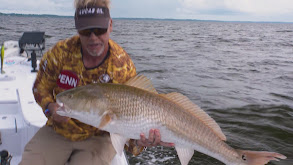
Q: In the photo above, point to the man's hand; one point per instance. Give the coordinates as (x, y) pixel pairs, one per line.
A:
(56, 118)
(153, 140)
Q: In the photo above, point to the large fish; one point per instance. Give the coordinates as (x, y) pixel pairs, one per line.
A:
(127, 110)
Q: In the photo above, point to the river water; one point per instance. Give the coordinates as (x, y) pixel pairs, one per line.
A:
(239, 73)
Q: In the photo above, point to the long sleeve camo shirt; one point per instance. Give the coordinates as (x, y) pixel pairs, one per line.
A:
(62, 68)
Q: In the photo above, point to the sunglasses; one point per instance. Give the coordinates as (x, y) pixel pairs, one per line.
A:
(96, 31)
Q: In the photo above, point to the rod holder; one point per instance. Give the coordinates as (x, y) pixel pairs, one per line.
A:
(34, 61)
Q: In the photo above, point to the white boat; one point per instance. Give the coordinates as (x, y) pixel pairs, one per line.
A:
(20, 115)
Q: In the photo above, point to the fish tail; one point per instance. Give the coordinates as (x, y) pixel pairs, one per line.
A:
(259, 157)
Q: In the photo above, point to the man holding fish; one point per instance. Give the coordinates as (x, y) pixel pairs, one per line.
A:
(103, 107)
(88, 58)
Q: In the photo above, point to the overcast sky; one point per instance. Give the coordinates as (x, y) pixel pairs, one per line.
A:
(226, 10)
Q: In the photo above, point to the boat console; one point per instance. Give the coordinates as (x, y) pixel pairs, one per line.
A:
(33, 42)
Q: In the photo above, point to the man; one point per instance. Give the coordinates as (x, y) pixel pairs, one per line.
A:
(90, 57)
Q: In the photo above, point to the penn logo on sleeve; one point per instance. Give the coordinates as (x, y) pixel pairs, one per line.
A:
(67, 79)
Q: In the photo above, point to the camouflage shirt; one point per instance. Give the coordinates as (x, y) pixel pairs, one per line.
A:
(62, 68)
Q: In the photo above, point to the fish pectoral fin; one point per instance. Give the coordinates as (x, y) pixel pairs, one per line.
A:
(106, 119)
(118, 142)
(141, 82)
(184, 154)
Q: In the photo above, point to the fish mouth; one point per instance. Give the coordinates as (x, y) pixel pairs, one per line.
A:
(59, 103)
(63, 110)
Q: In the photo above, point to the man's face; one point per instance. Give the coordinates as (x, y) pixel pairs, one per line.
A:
(96, 45)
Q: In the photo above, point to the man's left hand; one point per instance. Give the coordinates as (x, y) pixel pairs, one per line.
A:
(153, 140)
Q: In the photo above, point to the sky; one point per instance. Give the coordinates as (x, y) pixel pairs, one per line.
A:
(224, 10)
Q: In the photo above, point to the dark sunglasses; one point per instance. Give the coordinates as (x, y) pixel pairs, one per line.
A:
(96, 31)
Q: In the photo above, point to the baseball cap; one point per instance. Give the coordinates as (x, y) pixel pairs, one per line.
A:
(91, 17)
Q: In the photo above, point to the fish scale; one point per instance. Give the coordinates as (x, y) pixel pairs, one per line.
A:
(127, 110)
(153, 108)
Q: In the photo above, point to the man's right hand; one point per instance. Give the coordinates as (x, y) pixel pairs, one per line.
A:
(56, 118)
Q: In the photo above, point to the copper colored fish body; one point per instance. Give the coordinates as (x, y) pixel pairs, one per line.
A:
(127, 110)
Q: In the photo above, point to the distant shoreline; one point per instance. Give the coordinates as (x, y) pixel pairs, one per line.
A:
(123, 18)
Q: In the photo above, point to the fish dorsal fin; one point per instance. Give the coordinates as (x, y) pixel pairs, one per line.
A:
(141, 82)
(188, 105)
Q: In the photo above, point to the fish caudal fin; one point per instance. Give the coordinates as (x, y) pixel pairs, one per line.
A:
(259, 157)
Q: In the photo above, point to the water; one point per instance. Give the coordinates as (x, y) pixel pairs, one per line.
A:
(240, 73)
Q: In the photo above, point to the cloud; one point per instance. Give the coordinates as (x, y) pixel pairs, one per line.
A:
(62, 7)
(144, 8)
(228, 10)
(202, 4)
(237, 10)
(260, 7)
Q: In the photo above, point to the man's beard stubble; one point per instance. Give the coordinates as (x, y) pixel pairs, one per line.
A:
(97, 54)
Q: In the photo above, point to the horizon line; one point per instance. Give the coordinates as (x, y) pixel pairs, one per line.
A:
(146, 18)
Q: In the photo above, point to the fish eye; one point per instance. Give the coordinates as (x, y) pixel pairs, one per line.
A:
(243, 157)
